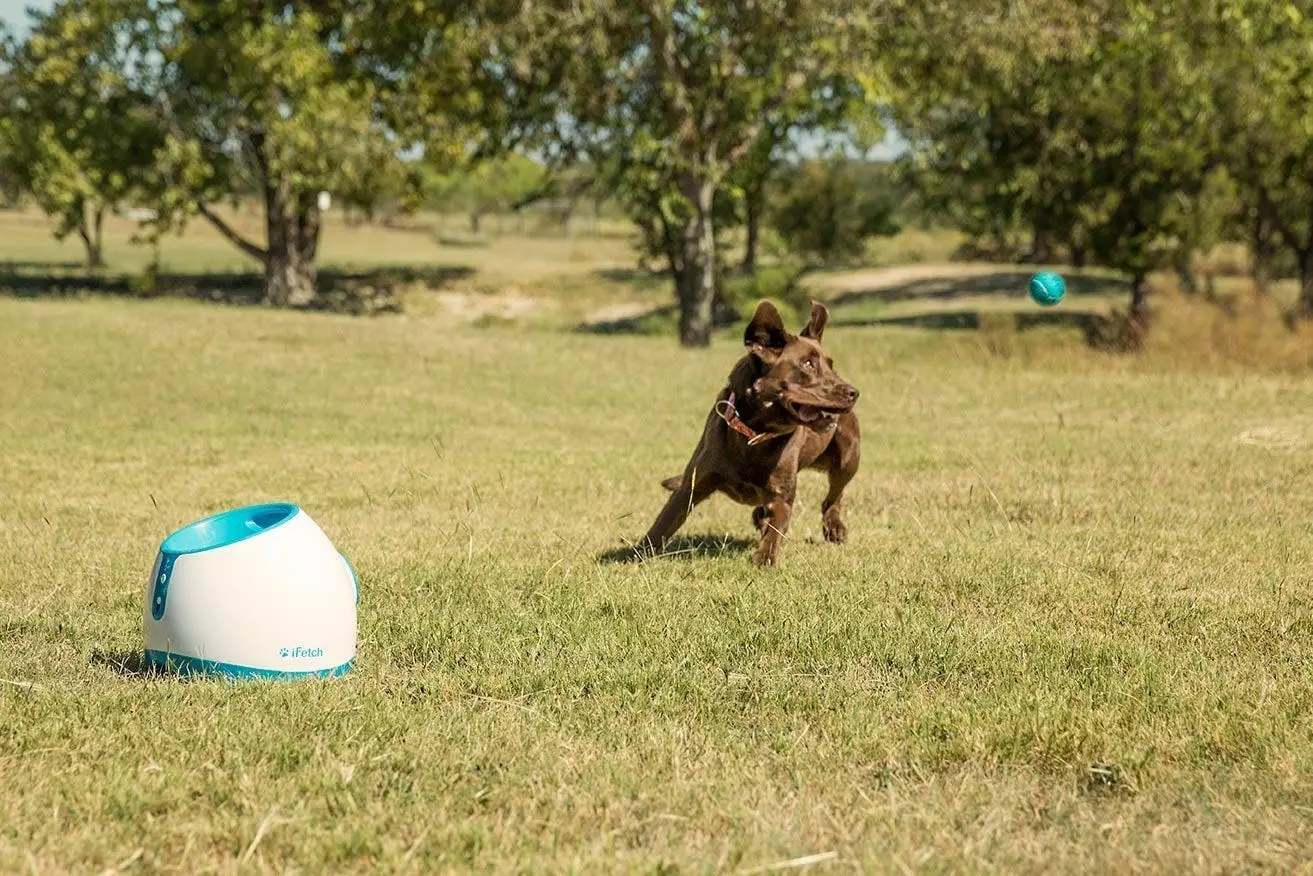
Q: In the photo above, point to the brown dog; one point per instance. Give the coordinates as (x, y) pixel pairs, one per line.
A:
(785, 409)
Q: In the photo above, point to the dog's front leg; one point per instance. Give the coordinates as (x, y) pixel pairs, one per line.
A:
(781, 488)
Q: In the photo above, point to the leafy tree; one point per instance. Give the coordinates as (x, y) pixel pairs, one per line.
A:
(1101, 136)
(78, 132)
(1145, 123)
(489, 186)
(1264, 92)
(9, 185)
(263, 95)
(668, 97)
(836, 112)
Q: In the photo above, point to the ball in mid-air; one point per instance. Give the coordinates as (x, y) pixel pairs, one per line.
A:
(1047, 288)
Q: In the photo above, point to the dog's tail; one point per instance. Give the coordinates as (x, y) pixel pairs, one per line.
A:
(672, 484)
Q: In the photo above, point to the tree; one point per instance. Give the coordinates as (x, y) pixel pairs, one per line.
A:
(9, 184)
(1145, 118)
(489, 186)
(1264, 91)
(668, 97)
(264, 95)
(1103, 139)
(831, 207)
(836, 113)
(78, 132)
(982, 96)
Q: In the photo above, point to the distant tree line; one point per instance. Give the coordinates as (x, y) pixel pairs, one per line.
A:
(1127, 133)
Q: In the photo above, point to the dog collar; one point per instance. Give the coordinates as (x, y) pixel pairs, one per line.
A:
(726, 411)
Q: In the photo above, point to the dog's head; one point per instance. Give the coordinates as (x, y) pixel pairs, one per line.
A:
(795, 377)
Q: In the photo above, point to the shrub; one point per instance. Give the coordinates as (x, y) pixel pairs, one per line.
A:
(779, 284)
(829, 209)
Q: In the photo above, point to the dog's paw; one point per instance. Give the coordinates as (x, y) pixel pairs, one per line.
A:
(765, 557)
(834, 531)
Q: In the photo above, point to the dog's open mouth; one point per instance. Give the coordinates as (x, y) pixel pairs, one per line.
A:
(807, 413)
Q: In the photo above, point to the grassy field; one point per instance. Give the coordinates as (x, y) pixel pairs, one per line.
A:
(1072, 630)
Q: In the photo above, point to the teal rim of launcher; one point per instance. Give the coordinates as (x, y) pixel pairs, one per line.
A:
(228, 527)
(160, 661)
(216, 531)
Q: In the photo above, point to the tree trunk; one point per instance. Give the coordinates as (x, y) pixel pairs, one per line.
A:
(1184, 264)
(698, 266)
(1260, 254)
(1304, 307)
(1137, 322)
(92, 238)
(755, 197)
(567, 219)
(1078, 256)
(292, 224)
(476, 221)
(1041, 250)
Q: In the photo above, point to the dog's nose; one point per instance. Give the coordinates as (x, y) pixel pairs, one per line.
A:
(852, 394)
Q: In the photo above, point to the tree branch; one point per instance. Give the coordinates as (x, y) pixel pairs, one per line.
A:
(255, 252)
(793, 83)
(682, 116)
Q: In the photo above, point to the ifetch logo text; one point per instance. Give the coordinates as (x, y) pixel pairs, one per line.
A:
(298, 651)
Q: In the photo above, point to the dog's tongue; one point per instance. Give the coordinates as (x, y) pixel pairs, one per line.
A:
(808, 413)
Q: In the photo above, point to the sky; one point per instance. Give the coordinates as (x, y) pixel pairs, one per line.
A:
(13, 16)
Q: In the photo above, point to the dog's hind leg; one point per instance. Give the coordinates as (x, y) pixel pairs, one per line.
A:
(691, 490)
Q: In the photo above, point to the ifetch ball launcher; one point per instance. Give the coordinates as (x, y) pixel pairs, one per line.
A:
(257, 592)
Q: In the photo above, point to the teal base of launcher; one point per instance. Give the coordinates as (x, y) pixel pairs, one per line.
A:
(160, 661)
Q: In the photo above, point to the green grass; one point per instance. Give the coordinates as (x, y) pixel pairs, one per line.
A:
(1071, 633)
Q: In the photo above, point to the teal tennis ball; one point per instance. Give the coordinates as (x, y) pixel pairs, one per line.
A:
(1047, 288)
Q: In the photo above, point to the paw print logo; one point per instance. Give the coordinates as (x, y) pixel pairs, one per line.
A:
(282, 652)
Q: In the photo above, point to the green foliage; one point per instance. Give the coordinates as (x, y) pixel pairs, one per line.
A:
(1102, 143)
(256, 96)
(185, 103)
(1262, 74)
(778, 283)
(78, 131)
(668, 98)
(490, 186)
(829, 208)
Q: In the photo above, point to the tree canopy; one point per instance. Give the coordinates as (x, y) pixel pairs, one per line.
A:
(1130, 133)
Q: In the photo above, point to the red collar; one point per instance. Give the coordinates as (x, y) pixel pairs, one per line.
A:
(730, 415)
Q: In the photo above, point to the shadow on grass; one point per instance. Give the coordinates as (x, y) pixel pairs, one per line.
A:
(1004, 284)
(657, 320)
(129, 664)
(10, 266)
(684, 547)
(1011, 284)
(339, 291)
(627, 275)
(1093, 326)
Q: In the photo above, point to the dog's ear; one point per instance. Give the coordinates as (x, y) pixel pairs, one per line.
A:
(816, 325)
(765, 336)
